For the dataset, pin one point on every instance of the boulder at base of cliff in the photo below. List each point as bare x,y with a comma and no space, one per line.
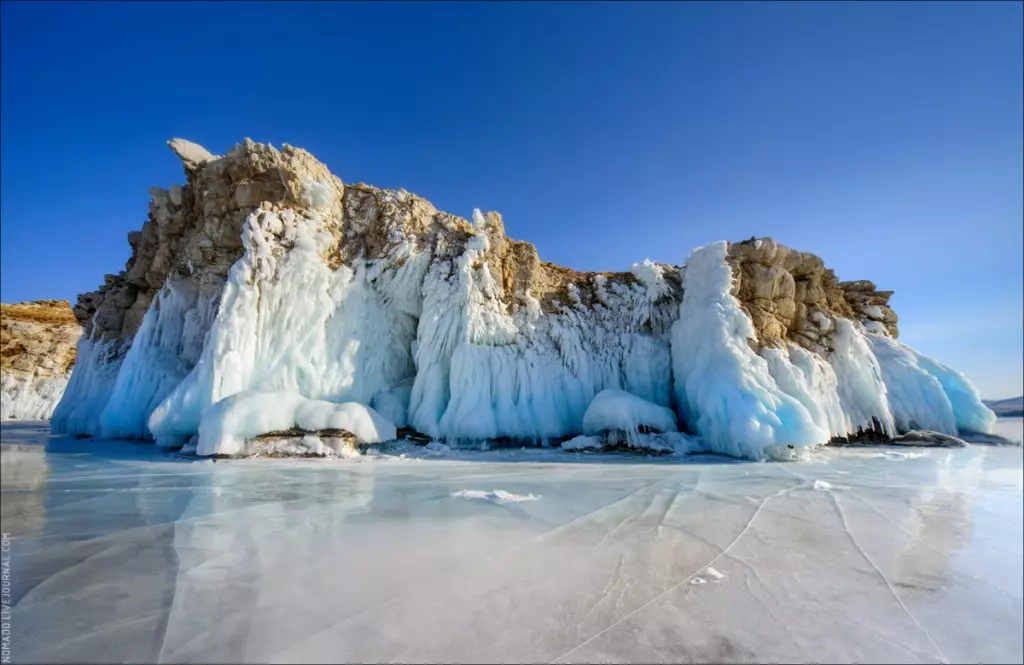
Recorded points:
919,437
233,426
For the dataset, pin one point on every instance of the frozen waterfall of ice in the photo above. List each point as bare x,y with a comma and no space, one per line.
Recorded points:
968,411
422,337
917,398
287,322
482,373
97,365
724,389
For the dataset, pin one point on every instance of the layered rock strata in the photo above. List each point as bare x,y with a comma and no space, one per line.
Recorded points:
37,352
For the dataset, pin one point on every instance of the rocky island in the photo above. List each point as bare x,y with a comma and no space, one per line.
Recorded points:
295,302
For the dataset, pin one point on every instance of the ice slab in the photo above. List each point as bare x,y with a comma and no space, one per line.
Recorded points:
124,552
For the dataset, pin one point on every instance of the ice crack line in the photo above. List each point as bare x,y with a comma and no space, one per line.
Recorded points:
842,516
684,581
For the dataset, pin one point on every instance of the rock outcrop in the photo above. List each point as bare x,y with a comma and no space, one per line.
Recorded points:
37,352
929,439
265,272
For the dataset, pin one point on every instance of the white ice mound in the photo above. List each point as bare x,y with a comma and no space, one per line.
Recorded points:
613,409
724,389
227,425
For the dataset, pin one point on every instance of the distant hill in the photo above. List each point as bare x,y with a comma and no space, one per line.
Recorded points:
1007,408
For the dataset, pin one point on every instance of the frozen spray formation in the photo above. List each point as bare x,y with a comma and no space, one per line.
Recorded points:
37,351
264,273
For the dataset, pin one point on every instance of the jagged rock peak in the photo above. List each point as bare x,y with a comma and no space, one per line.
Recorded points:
192,155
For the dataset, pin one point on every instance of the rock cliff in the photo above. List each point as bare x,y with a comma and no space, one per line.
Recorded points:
37,352
265,272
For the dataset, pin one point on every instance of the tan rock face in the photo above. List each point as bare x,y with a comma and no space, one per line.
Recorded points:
37,352
38,338
791,296
194,232
870,304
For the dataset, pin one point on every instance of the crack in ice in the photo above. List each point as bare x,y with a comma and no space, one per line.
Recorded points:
842,516
684,581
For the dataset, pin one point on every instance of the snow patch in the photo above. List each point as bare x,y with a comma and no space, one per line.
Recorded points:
317,195
495,496
872,312
897,455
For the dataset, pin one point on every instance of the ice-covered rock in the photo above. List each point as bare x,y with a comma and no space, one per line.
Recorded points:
918,437
37,352
724,389
227,426
617,410
265,273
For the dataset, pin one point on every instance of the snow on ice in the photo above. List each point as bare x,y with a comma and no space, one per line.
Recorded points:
497,496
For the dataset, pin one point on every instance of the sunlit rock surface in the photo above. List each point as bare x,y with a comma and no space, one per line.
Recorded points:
37,352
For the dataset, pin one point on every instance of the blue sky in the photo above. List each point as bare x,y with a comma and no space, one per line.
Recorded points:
886,138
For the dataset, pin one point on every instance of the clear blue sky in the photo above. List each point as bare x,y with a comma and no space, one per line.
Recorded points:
884,137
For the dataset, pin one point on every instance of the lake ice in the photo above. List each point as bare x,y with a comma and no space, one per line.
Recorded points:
125,552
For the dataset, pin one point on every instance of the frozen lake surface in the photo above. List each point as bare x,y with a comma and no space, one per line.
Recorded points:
122,552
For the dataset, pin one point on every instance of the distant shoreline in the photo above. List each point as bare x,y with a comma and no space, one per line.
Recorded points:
1006,408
